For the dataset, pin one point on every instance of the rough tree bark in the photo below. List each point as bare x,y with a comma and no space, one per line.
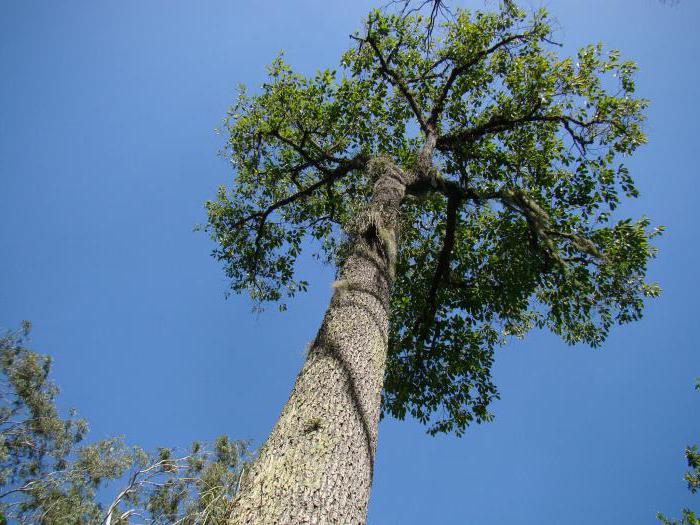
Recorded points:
316,466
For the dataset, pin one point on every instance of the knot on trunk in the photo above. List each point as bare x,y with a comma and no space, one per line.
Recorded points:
380,166
376,225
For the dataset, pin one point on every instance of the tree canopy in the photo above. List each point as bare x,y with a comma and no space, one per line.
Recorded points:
518,227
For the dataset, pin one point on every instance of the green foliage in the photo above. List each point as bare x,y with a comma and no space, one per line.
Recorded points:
48,476
689,518
692,477
514,226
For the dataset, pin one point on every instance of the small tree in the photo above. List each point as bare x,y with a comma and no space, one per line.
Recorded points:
692,477
464,184
48,476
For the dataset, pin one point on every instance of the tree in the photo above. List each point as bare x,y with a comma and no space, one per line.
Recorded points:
692,477
465,185
48,476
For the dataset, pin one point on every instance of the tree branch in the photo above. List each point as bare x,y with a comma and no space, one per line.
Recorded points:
540,225
439,104
499,123
303,153
448,187
395,80
438,7
442,268
331,176
357,162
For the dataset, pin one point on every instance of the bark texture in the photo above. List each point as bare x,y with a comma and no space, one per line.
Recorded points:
316,466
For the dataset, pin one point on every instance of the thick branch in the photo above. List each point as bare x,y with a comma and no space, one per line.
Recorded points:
443,263
498,123
449,188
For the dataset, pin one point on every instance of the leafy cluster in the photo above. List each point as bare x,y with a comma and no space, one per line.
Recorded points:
49,476
293,146
692,477
513,225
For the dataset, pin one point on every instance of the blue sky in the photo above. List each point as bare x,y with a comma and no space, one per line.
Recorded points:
107,154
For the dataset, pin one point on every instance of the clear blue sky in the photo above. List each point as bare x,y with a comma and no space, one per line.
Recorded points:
107,154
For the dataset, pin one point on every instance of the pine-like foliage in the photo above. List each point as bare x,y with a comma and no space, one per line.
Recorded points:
692,477
48,476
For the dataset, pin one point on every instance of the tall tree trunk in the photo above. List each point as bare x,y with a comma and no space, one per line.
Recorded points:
316,466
